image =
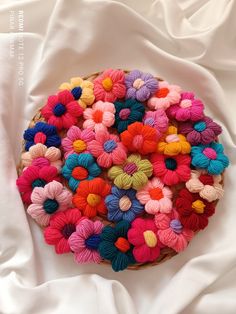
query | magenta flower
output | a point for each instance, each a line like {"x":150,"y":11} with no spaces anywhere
{"x":158,"y":120}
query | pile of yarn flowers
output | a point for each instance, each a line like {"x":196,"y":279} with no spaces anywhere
{"x":121,"y":167}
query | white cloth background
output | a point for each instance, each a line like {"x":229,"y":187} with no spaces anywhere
{"x":189,"y":42}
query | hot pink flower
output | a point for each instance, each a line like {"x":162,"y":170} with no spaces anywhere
{"x":171,"y":232}
{"x":158,"y":120}
{"x":47,"y":200}
{"x":85,"y":240}
{"x":76,"y":140}
{"x":110,"y":85}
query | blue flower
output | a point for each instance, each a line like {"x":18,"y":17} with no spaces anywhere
{"x":123,"y":205}
{"x":210,"y":157}
{"x":78,"y":168}
{"x":42,"y":133}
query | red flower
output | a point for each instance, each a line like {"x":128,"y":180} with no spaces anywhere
{"x":193,"y":210}
{"x":62,"y":110}
{"x":61,"y":226}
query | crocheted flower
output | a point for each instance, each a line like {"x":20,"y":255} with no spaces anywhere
{"x":128,"y":112}
{"x":193,"y":210}
{"x":76,"y":140}
{"x":210,"y":157}
{"x":171,"y":232}
{"x":62,"y":110}
{"x":208,"y":186}
{"x":110,"y":85}
{"x":133,"y":173}
{"x":90,"y":197}
{"x":143,"y":235}
{"x":41,"y":133}
{"x":108,"y":149}
{"x":171,"y":169}
{"x":140,"y":138}
{"x":123,"y":205}
{"x":173,"y":143}
{"x":165,"y":96}
{"x":189,"y":108}
{"x":33,"y":177}
{"x":156,"y":197}
{"x":61,"y":225}
{"x":78,"y":168}
{"x":39,"y":155}
{"x":85,"y":240}
{"x":140,"y":86}
{"x":47,"y":200}
{"x":158,"y":120}
{"x":82,"y":91}
{"x":100,"y":117}
{"x":203,"y":131}
{"x":115,"y":247}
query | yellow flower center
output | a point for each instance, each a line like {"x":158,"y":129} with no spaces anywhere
{"x":79,"y":146}
{"x":198,"y":206}
{"x":125,"y":203}
{"x":150,"y":238}
{"x":93,"y":199}
{"x":107,"y":84}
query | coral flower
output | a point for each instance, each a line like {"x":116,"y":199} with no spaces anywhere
{"x":158,"y":120}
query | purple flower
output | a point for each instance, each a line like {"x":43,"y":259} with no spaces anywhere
{"x":203,"y":131}
{"x":140,"y":86}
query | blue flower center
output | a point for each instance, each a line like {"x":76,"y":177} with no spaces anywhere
{"x":59,"y":110}
{"x":171,"y":163}
{"x":109,"y":146}
{"x":76,"y":92}
{"x":176,"y":225}
{"x":38,"y":183}
{"x":67,"y":230}
{"x":50,"y":206}
{"x":149,"y":121}
{"x":93,"y":241}
{"x":199,"y":126}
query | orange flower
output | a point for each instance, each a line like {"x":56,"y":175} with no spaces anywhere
{"x":90,"y":195}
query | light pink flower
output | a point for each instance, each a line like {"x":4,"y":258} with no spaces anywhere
{"x":158,"y":120}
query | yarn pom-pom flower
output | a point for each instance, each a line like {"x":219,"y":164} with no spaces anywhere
{"x":173,"y":143}
{"x":123,"y":205}
{"x":133,"y":173}
{"x":62,"y":110}
{"x":39,"y":155}
{"x":140,"y":86}
{"x":143,"y":235}
{"x":208,"y":186}
{"x":171,"y":169}
{"x":193,"y":210}
{"x":171,"y":232}
{"x":41,"y":133}
{"x":100,"y":116}
{"x":33,"y":177}
{"x":61,"y":225}
{"x":85,"y":240}
{"x":156,"y":197}
{"x":165,"y":96}
{"x":76,"y":140}
{"x":90,"y":197}
{"x":108,"y":149}
{"x":78,"y":168}
{"x":140,"y":138}
{"x":110,"y":86}
{"x":128,"y":112}
{"x":203,"y":131}
{"x":210,"y":157}
{"x":158,"y":120}
{"x":82,"y":91}
{"x":47,"y":200}
{"x":115,"y":247}
{"x":188,"y":108}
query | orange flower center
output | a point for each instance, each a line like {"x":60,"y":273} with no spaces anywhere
{"x":162,"y":92}
{"x":93,"y":199}
{"x":107,"y":84}
{"x":122,"y":244}
{"x":156,"y":193}
{"x":79,"y":173}
{"x":198,"y":206}
{"x":97,"y":116}
{"x":79,"y":146}
{"x":150,"y":238}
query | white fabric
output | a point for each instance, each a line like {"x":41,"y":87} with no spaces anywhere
{"x":189,"y":42}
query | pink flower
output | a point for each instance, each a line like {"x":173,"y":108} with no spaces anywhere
{"x":171,"y":232}
{"x":39,"y":155}
{"x":85,"y":240}
{"x":76,"y":140}
{"x":156,"y":197}
{"x":108,"y":149}
{"x":47,"y":200}
{"x":165,"y":96}
{"x":62,"y":110}
{"x":143,"y":235}
{"x":100,"y":117}
{"x":158,"y":120}
{"x":110,"y":85}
